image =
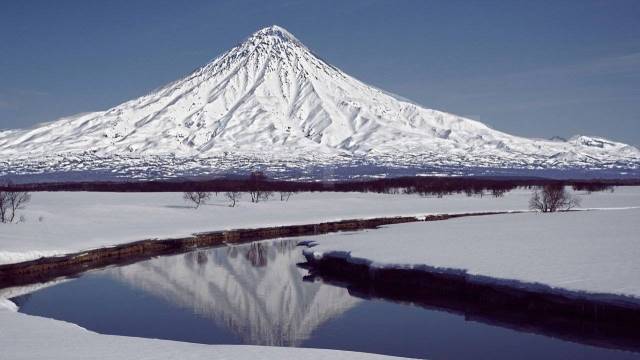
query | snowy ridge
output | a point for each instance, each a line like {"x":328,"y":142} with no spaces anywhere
{"x":271,"y":99}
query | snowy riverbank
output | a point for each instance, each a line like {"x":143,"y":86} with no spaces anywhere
{"x":65,"y":222}
{"x":583,"y":253}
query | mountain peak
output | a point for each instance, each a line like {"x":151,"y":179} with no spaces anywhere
{"x":274,"y":32}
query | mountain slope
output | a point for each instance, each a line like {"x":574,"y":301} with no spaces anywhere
{"x":271,"y":98}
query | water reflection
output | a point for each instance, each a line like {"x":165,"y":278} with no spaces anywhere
{"x":255,"y":294}
{"x":254,"y":290}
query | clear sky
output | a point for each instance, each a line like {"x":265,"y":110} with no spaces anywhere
{"x":531,"y":68}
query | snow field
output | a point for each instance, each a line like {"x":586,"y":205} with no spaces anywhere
{"x":65,"y":222}
{"x":593,"y":253}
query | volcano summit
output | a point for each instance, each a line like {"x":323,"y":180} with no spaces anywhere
{"x":269,"y":103}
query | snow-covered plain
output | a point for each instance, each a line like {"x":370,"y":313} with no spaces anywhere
{"x":592,"y":253}
{"x":64,"y":222}
{"x":31,"y":337}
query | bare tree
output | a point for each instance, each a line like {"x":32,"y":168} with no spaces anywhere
{"x":552,"y":198}
{"x":254,"y":195}
{"x":258,"y":195}
{"x":233,"y":196}
{"x":4,"y":206}
{"x":257,"y":187}
{"x":497,"y":193}
{"x":196,"y":197}
{"x":285,"y":195}
{"x":10,"y":202}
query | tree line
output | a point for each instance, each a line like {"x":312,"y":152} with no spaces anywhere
{"x":261,"y":185}
{"x":548,"y":195}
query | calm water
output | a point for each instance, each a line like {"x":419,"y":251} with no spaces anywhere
{"x":254,"y":294}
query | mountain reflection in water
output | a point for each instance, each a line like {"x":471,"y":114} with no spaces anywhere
{"x":254,"y":290}
{"x":255,"y":294}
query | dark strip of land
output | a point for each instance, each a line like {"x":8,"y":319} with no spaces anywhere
{"x":258,"y":181}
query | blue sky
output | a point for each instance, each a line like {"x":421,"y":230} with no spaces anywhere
{"x":531,"y":68}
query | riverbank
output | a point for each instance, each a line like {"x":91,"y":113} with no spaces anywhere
{"x":572,"y":274}
{"x":58,"y":223}
{"x":51,"y":267}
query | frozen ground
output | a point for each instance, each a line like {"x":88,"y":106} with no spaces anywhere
{"x":31,"y":337}
{"x":63,"y":222}
{"x":594,"y":252}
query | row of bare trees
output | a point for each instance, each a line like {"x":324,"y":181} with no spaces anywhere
{"x":198,"y":198}
{"x":258,"y":191}
{"x":550,"y":198}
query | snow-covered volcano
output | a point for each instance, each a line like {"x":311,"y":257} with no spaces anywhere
{"x":270,"y":100}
